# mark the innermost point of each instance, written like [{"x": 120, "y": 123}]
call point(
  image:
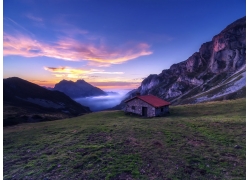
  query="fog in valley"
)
[{"x": 98, "y": 103}]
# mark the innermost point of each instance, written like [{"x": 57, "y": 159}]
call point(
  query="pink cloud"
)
[{"x": 70, "y": 49}]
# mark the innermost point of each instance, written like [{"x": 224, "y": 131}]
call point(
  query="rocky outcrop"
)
[
  {"x": 77, "y": 89},
  {"x": 216, "y": 61}
]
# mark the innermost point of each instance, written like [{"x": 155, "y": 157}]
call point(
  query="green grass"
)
[{"x": 202, "y": 141}]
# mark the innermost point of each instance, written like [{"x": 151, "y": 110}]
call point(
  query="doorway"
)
[{"x": 144, "y": 111}]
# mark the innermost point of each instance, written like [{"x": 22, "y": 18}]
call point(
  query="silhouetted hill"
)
[{"x": 22, "y": 100}]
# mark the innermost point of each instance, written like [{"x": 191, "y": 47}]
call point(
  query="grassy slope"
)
[{"x": 202, "y": 141}]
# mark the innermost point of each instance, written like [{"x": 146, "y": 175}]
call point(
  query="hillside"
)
[
  {"x": 77, "y": 89},
  {"x": 24, "y": 101},
  {"x": 201, "y": 141},
  {"x": 217, "y": 71}
]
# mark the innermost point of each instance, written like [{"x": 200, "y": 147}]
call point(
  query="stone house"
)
[{"x": 147, "y": 105}]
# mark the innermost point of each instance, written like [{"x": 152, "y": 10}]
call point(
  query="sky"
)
[{"x": 111, "y": 44}]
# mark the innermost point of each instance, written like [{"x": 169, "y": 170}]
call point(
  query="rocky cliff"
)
[
  {"x": 217, "y": 71},
  {"x": 77, "y": 89}
]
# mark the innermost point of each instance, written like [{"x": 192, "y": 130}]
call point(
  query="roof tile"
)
[{"x": 152, "y": 100}]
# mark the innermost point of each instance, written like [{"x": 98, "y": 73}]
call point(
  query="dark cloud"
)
[
  {"x": 138, "y": 79},
  {"x": 54, "y": 68}
]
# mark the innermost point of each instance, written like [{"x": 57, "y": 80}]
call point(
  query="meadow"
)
[{"x": 200, "y": 141}]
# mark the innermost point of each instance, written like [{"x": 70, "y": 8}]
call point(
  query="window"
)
[{"x": 133, "y": 107}]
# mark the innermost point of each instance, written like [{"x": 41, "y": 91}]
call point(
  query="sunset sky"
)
[{"x": 112, "y": 44}]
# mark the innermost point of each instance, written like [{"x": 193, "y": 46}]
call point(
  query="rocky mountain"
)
[
  {"x": 24, "y": 101},
  {"x": 77, "y": 89},
  {"x": 217, "y": 71}
]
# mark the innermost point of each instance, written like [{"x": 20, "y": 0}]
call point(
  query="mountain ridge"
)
[
  {"x": 222, "y": 58},
  {"x": 22, "y": 100},
  {"x": 77, "y": 89}
]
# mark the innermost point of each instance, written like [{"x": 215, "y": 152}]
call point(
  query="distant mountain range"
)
[
  {"x": 77, "y": 89},
  {"x": 216, "y": 72},
  {"x": 24, "y": 101}
]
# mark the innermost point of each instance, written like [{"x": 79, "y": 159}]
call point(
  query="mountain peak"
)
[
  {"x": 77, "y": 89},
  {"x": 237, "y": 23},
  {"x": 218, "y": 69},
  {"x": 80, "y": 81}
]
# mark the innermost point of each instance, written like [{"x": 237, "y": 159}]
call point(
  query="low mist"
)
[{"x": 98, "y": 103}]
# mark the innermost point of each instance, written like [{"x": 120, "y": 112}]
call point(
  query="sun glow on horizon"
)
[{"x": 104, "y": 85}]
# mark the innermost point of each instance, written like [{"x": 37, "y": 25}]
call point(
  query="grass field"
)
[{"x": 202, "y": 141}]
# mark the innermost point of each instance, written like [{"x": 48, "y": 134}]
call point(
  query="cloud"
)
[
  {"x": 12, "y": 26},
  {"x": 70, "y": 49},
  {"x": 39, "y": 80},
  {"x": 94, "y": 76},
  {"x": 72, "y": 31},
  {"x": 34, "y": 18},
  {"x": 48, "y": 83},
  {"x": 98, "y": 64},
  {"x": 103, "y": 72},
  {"x": 66, "y": 70},
  {"x": 113, "y": 83},
  {"x": 138, "y": 79},
  {"x": 76, "y": 73}
]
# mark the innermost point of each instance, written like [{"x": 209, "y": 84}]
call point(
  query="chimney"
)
[{"x": 138, "y": 94}]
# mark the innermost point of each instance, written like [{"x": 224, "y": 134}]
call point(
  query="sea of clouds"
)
[{"x": 98, "y": 103}]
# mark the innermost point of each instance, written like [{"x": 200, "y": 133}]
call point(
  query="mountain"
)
[
  {"x": 77, "y": 89},
  {"x": 24, "y": 101},
  {"x": 216, "y": 72}
]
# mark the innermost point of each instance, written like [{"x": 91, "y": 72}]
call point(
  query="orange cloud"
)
[
  {"x": 72, "y": 50},
  {"x": 76, "y": 73},
  {"x": 66, "y": 70},
  {"x": 50, "y": 83}
]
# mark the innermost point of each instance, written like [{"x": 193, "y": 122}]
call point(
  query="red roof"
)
[{"x": 152, "y": 100}]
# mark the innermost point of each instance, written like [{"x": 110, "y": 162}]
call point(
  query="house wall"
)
[
  {"x": 138, "y": 107},
  {"x": 158, "y": 111}
]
